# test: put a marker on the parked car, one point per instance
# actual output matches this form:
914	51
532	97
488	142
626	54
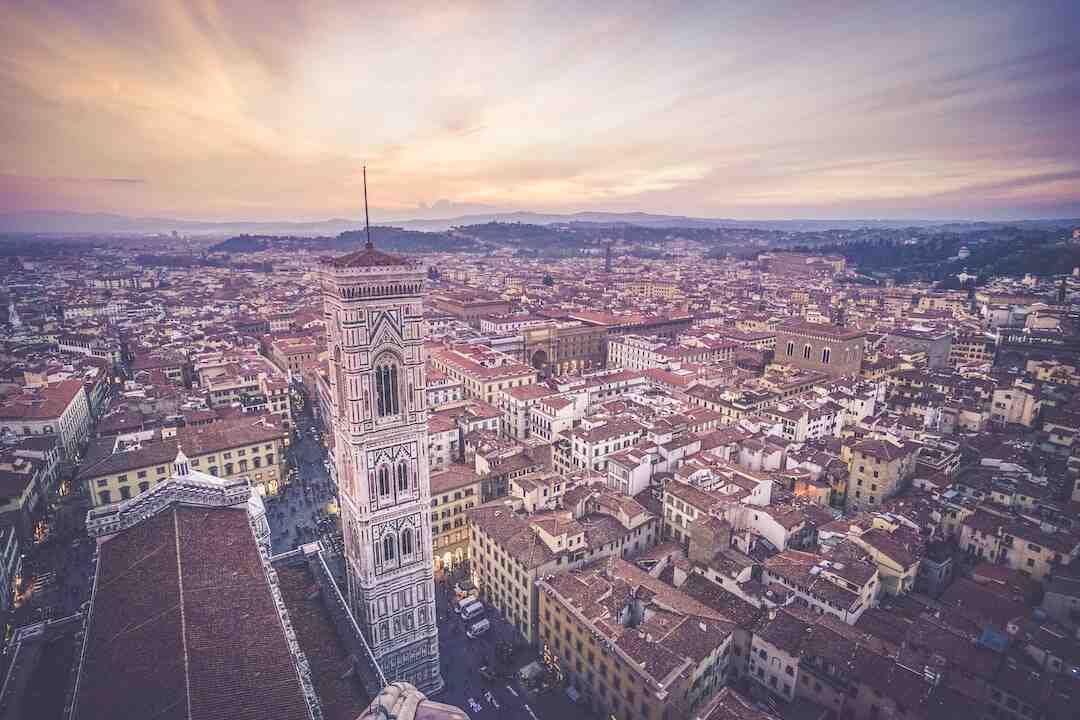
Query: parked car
472	611
478	628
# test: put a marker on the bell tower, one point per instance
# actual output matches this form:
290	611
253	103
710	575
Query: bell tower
373	307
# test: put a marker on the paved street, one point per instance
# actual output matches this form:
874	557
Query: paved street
60	572
300	512
57	569
463	657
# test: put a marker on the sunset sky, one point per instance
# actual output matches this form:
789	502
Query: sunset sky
263	110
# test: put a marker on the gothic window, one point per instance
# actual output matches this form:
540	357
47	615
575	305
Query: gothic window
340	371
806	352
387	397
826	353
388	548
406	543
383	475
402	478
790	348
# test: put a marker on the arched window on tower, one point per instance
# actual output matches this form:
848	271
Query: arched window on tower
402	478
406	543
806	352
340	373
383	477
387	397
388	549
826	355
790	348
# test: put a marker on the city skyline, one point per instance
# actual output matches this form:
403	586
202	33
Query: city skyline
207	112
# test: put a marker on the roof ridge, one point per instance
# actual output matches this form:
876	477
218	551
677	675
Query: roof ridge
183	614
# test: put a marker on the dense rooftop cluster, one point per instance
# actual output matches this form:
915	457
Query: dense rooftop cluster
711	487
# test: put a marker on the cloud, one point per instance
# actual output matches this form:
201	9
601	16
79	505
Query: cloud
248	109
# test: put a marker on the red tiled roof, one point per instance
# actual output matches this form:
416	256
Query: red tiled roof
44	403
341	696
183	625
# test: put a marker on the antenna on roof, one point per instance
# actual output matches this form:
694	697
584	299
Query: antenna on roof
367	218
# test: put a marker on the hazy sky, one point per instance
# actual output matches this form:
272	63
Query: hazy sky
264	110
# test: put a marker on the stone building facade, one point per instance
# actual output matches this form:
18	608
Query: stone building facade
816	346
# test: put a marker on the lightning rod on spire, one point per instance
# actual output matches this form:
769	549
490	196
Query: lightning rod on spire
367	217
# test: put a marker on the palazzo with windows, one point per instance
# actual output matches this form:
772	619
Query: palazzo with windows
830	349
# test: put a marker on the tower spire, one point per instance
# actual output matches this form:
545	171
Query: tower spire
367	218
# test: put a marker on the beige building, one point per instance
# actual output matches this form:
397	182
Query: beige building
118	468
843	583
469	305
507	558
683	505
1025	547
814	346
630	646
955	303
897	554
511	551
60	409
565	347
971	349
296	354
1018	404
590	444
483	373
653	289
444	442
516	405
538	491
453	492
877	470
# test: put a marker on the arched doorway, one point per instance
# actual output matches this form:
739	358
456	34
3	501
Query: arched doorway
540	360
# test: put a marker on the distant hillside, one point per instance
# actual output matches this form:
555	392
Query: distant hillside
69	223
388	238
936	255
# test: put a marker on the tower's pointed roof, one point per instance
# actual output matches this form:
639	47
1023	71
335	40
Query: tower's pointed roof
370	257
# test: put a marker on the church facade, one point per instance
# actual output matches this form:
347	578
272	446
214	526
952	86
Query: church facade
373	304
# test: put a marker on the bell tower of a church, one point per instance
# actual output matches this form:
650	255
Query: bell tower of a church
373	306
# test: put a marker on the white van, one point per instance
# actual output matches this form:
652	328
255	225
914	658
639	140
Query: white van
473	610
463	603
479	628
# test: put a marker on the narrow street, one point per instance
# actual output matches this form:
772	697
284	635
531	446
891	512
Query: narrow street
57	569
462	657
305	509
